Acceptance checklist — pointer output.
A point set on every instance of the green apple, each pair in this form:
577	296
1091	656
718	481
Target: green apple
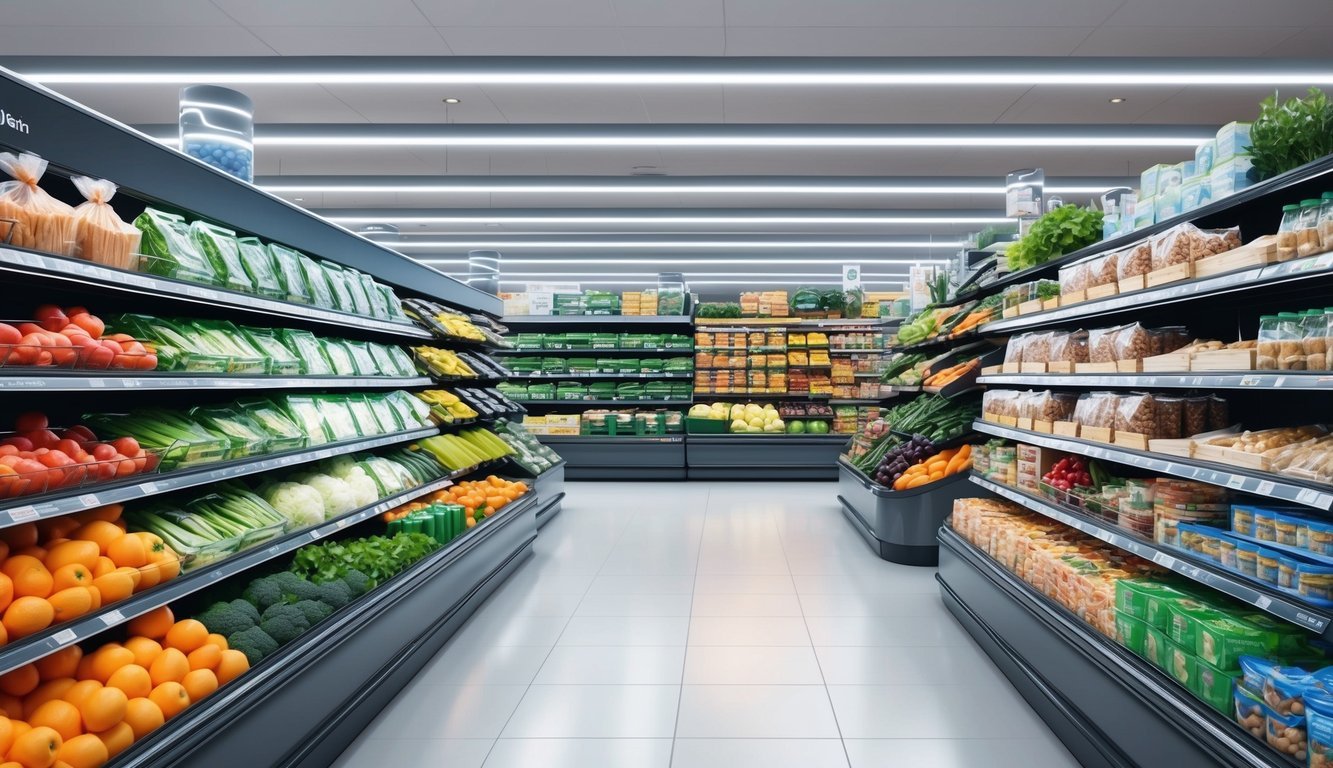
796	427
817	427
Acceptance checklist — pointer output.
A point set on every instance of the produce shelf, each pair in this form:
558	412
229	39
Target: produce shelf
763	456
521	321
92	496
1248	591
48	380
600	457
561	376
845	401
1258	483
58	269
899	526
29	649
837	351
940	343
606	403
1109	707
290	710
682	351
1299	380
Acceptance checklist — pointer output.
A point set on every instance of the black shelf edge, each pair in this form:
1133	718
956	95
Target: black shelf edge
940	343
783	439
683	352
1196	727
32	264
1250	592
32	648
1257	483
610	440
1282	380
684	402
49	380
518	321
856	401
97	495
640	376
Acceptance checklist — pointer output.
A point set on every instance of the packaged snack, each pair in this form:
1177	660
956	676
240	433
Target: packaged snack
1101	345
1211	242
1013	350
99	234
1219	413
1074	278
1187	616
1172	246
1314	341
1247	559
258	264
1103	270
1320	538
1194	416
1307	229
1268	344
40	222
219	246
1213	684
1314	581
171	249
1069	347
1180	664
1319	726
1268	569
1097	409
1170	412
1037	348
1134	342
1290	339
1137	260
1136	413
1249	710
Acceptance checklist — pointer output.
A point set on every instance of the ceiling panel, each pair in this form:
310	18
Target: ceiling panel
543	104
1088	104
903	41
533	41
677	13
324	13
161	13
1210	106
918	13
674	104
127	40
869	105
1169	41
418	103
159	104
1199	15
674	41
421	40
1313	42
512	13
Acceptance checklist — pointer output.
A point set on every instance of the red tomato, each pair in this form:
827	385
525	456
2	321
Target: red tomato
51	317
103	452
127	446
9	334
31	421
98	357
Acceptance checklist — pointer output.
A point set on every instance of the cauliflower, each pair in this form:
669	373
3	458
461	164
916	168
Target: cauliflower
342	466
299	503
337	494
364	490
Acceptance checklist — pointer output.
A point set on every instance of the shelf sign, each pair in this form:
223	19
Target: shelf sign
851	277
13	123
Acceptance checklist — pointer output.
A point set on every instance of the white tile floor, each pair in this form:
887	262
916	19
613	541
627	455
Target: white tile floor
709	625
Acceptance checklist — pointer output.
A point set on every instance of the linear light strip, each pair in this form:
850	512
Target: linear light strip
374	140
706	189
575	218
669	244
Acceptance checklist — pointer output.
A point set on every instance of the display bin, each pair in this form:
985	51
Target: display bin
697	426
900	526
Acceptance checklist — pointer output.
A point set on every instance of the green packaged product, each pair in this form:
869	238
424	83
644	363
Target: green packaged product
171	249
1180	664
308	350
1146	600
412	411
282	361
361	357
1187	616
321	295
226	339
366	421
284	433
391	361
342	295
1155	646
246	436
219	246
1213	684
258	264
340	357
1222	640
338	417
385	415
392	305
356	288
379	306
288	263
306	413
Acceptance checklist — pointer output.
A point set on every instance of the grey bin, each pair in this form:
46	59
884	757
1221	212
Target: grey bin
900	526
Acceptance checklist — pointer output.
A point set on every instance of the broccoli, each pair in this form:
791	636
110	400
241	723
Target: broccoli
358	582
294	585
254	642
335	593
263	592
246	608
226	619
314	610
284	623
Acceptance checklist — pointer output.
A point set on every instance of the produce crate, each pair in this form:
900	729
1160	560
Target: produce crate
698	426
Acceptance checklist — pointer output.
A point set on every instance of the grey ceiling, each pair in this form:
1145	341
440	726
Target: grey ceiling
735	28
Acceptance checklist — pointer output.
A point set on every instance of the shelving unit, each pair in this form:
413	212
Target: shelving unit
288	709
1283	380
593	457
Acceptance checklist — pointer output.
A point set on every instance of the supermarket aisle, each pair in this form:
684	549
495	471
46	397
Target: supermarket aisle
709	624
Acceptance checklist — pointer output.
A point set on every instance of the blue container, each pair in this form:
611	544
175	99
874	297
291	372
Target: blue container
217	126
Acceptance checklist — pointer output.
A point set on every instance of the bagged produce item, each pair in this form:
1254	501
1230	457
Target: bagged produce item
1038	347
362	358
220	248
282	360
1170	414
1186	243
1135	261
1290	341
342	295
99	234
1136	413
1103	270
1134	342
171	248
340	357
40	222
356	287
306	413
308	350
1101	345
259	266
379	304
1069	347
1097	409
1211	242
321	295
1074	278
1013	350
1052	406
291	273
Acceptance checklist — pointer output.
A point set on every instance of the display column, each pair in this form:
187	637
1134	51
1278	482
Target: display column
217	126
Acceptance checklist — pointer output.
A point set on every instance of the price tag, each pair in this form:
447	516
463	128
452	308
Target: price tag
342	523
314	535
1308	496
112	618
1235	481
65	637
96	383
88	500
1325	261
1264	488
1250	381
1278	381
1163	559
148	487
1262	602
22	514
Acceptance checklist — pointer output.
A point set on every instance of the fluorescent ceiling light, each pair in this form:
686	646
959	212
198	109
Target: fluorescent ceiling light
758	71
373	137
576	218
672	244
653	261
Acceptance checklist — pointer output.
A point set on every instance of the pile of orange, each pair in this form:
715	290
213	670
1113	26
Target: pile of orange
77	710
483	498
59	569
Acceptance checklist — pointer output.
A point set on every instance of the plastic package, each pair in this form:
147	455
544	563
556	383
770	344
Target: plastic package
1219	413
308	350
99	234
1314	341
290	272
338	417
259	266
283	362
321	295
1286	232
1074	278
1291	348
362	358
356	287
340	357
342	295
306	414
1172	338
1101	345
1136	413
1268	345
41	222
171	248
1097	409
1210	242
1103	270
1328	339
1037	348
1172	247
379	305
1013	350
1194	418
1053	406
1134	342
219	246
1137	260
1307	229
1169	414
1069	347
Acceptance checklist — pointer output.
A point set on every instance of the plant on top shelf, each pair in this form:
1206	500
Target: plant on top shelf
1062	230
1290	134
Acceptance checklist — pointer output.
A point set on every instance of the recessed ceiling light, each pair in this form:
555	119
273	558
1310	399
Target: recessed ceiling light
452	100
1118	100
298	199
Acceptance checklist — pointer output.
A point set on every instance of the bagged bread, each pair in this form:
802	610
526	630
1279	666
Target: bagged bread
100	236
35	220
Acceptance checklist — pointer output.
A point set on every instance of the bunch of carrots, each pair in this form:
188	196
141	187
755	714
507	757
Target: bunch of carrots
937	467
951	374
974	318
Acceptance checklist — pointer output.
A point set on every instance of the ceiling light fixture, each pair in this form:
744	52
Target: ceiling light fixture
452	100
670	185
1118	100
673	244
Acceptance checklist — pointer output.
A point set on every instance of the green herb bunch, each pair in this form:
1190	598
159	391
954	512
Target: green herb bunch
1290	134
1063	230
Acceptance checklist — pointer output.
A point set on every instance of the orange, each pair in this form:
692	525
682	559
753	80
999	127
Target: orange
62	663
94	597
171	698
103	566
29	575
72	575
36	748
232	665
84	553
80	691
11	706
36	553
187	635
116	739
20	682
107	659
7	735
152	544
127	551
114	586
103	709
70	603
100	532
200	683
205	656
170	666
155	624
60	716
83	751
48	691
133	680
133	573
20	536
219	640
143	716
145	650
27	615
168	563
6	591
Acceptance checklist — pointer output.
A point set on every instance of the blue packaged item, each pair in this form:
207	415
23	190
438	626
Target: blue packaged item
1319	537
1203	157
1286	572
1254	671
1247	559
1319	727
1249	710
1287	734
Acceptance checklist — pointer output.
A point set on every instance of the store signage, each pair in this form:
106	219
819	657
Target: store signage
851	277
8	119
920	277
1023	193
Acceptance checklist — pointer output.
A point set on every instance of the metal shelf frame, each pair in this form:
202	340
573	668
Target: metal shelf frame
1282	380
54	380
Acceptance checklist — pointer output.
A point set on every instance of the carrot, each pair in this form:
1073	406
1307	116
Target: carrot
901	482
936	476
955	464
917	481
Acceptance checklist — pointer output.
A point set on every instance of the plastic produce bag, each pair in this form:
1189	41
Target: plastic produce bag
1101	345
340	357
308	350
1097	409
288	263
342	296
40	222
258	264
170	248
220	247
1074	278
1103	270
320	293
99	234
356	286
1069	347
1135	261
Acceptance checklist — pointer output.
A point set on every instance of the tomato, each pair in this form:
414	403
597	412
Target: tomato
127	446
89	324
31	421
51	317
98	357
9	334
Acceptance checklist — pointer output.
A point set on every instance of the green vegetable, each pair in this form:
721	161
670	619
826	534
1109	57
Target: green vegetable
719	309
806	300
336	593
224	254
263	592
357	582
254	642
832	300
1290	134
284	622
313	610
1063	230
226	619
378	558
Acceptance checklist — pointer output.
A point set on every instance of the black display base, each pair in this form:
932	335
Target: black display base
620	458
1110	708
304	705
903	554
625	473
763	457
